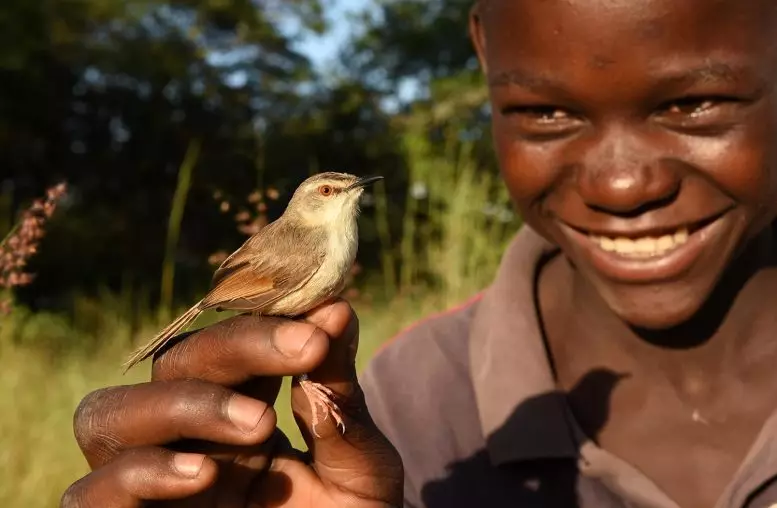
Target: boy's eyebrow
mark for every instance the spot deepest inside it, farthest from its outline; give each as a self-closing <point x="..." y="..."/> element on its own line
<point x="710" y="71"/>
<point x="707" y="72"/>
<point x="522" y="79"/>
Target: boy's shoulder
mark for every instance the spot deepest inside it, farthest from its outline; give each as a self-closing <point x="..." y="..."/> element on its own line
<point x="431" y="350"/>
<point x="418" y="390"/>
<point x="440" y="336"/>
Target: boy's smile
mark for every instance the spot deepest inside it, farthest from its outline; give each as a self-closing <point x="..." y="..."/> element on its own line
<point x="659" y="253"/>
<point x="640" y="136"/>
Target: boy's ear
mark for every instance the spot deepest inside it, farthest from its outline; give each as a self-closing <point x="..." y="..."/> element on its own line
<point x="477" y="36"/>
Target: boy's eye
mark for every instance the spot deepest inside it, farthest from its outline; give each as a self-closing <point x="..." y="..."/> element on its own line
<point x="539" y="113"/>
<point x="691" y="106"/>
<point x="541" y="120"/>
<point x="703" y="114"/>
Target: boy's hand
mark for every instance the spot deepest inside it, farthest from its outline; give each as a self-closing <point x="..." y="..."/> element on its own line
<point x="203" y="433"/>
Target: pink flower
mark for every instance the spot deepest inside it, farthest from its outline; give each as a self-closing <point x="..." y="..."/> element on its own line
<point x="23" y="241"/>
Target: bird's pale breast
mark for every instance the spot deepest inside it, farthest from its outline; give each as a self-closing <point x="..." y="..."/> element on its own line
<point x="329" y="279"/>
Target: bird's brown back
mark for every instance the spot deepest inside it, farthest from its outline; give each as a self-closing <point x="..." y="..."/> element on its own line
<point x="270" y="265"/>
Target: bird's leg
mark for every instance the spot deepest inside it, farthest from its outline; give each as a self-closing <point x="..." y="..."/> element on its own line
<point x="320" y="397"/>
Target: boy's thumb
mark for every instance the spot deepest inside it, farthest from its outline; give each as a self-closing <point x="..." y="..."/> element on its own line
<point x="360" y="459"/>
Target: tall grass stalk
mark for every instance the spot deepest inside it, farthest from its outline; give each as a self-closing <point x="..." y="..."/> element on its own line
<point x="383" y="227"/>
<point x="174" y="225"/>
<point x="465" y="215"/>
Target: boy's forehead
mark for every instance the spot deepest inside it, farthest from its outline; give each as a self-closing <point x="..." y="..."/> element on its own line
<point x="651" y="17"/>
<point x="622" y="30"/>
<point x="634" y="5"/>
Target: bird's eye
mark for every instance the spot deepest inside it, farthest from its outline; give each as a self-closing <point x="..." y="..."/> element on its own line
<point x="326" y="190"/>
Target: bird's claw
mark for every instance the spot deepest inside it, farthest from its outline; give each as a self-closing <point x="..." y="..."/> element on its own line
<point x="321" y="397"/>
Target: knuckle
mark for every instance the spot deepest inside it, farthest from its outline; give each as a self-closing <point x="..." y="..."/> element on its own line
<point x="82" y="418"/>
<point x="236" y="326"/>
<point x="171" y="362"/>
<point x="313" y="332"/>
<point x="75" y="495"/>
<point x="229" y="327"/>
<point x="348" y="305"/>
<point x="195" y="396"/>
<point x="354" y="319"/>
<point x="92" y="418"/>
<point x="139" y="466"/>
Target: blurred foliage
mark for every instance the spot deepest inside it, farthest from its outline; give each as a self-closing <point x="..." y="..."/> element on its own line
<point x="401" y="39"/>
<point x="110" y="94"/>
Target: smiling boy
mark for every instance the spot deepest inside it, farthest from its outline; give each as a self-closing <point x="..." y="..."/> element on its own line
<point x="639" y="138"/>
<point x="625" y="353"/>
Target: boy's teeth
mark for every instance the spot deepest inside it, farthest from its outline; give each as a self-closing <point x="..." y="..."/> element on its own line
<point x="642" y="247"/>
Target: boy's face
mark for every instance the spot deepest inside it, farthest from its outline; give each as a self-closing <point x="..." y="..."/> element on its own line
<point x="639" y="135"/>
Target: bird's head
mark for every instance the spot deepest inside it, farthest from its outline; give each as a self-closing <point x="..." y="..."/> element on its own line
<point x="329" y="199"/>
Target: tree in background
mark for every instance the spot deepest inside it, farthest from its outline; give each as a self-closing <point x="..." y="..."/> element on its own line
<point x="108" y="95"/>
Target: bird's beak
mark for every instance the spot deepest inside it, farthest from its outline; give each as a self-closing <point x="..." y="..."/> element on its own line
<point x="363" y="182"/>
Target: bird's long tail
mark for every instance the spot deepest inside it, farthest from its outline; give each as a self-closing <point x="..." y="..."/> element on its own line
<point x="164" y="336"/>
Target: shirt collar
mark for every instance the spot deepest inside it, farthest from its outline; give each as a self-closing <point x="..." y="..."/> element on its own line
<point x="521" y="413"/>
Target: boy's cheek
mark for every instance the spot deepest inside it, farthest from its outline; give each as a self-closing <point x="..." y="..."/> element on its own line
<point x="532" y="173"/>
<point x="529" y="170"/>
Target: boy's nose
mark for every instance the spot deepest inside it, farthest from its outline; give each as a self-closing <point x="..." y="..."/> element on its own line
<point x="623" y="175"/>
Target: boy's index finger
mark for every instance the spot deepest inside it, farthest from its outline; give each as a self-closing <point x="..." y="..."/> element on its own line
<point x="361" y="459"/>
<point x="238" y="349"/>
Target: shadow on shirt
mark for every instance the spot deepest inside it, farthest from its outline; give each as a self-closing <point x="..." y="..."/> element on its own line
<point x="545" y="482"/>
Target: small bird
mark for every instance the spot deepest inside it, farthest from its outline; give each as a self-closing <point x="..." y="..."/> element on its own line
<point x="289" y="267"/>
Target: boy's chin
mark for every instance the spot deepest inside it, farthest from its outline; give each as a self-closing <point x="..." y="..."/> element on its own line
<point x="656" y="309"/>
<point x="655" y="320"/>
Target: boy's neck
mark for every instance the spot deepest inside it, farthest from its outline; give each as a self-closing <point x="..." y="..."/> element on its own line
<point x="735" y="329"/>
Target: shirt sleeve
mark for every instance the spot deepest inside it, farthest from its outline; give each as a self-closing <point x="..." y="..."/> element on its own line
<point x="380" y="407"/>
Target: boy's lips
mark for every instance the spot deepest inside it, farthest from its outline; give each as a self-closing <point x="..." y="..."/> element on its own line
<point x="650" y="255"/>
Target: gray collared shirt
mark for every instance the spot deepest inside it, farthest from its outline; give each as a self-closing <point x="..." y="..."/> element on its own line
<point x="469" y="400"/>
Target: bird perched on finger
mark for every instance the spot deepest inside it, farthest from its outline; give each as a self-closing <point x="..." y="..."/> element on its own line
<point x="291" y="266"/>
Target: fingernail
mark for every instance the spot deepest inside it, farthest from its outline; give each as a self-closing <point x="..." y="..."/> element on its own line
<point x="245" y="412"/>
<point x="291" y="339"/>
<point x="188" y="464"/>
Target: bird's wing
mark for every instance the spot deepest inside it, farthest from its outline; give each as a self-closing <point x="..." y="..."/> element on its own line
<point x="264" y="270"/>
<point x="242" y="256"/>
